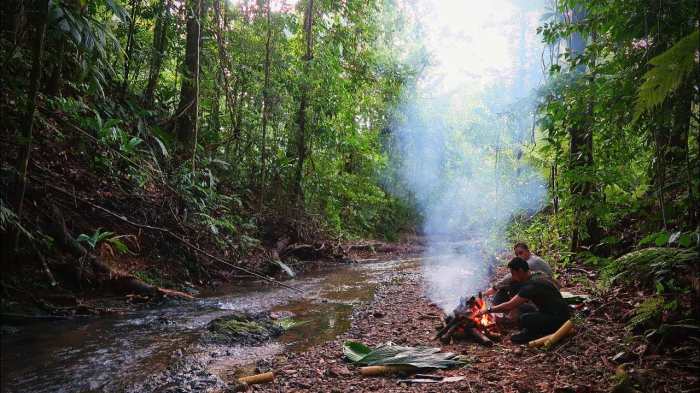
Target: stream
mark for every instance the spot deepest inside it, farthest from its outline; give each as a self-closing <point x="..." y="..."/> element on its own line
<point x="159" y="349"/>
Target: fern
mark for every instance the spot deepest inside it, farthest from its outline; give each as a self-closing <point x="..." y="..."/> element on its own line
<point x="647" y="311"/>
<point x="668" y="72"/>
<point x="8" y="220"/>
<point x="648" y="266"/>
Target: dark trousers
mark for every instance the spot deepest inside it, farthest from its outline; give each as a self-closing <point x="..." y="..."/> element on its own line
<point x="540" y="324"/>
<point x="530" y="318"/>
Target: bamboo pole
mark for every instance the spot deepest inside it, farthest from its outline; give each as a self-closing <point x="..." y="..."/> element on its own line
<point x="258" y="378"/>
<point x="563" y="331"/>
<point x="373" y="371"/>
<point x="542" y="341"/>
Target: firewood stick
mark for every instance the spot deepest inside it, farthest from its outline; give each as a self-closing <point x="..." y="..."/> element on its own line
<point x="559" y="334"/>
<point x="258" y="378"/>
<point x="480" y="337"/>
<point x="372" y="371"/>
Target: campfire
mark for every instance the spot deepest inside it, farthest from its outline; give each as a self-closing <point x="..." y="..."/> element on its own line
<point x="464" y="323"/>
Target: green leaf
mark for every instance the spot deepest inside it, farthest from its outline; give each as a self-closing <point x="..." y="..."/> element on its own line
<point x="659" y="288"/>
<point x="396" y="355"/>
<point x="687" y="239"/>
<point x="355" y="351"/>
<point x="668" y="72"/>
<point x="662" y="239"/>
<point x="119" y="245"/>
<point x="647" y="239"/>
<point x="162" y="146"/>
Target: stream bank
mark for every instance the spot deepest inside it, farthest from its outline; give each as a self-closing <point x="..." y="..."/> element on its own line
<point x="164" y="349"/>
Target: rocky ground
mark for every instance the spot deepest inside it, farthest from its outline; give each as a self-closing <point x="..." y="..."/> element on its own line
<point x="599" y="357"/>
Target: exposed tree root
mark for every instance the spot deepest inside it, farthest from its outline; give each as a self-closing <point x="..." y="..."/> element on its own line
<point x="93" y="270"/>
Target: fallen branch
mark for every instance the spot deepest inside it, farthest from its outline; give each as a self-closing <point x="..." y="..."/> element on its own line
<point x="46" y="268"/>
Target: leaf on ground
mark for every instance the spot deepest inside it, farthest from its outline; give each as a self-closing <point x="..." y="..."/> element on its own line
<point x="396" y="355"/>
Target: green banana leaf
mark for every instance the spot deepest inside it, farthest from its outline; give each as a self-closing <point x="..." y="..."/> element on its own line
<point x="571" y="298"/>
<point x="397" y="355"/>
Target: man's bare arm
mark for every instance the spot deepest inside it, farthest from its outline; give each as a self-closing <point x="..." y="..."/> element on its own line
<point x="507" y="306"/>
<point x="490" y="292"/>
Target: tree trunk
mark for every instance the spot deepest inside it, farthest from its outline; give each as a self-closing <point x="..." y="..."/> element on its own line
<point x="581" y="159"/>
<point x="230" y="93"/>
<point x="265" y="107"/>
<point x="678" y="149"/>
<point x="303" y="104"/>
<point x="13" y="19"/>
<point x="135" y="6"/>
<point x="55" y="84"/>
<point x="187" y="111"/>
<point x="40" y="17"/>
<point x="160" y="45"/>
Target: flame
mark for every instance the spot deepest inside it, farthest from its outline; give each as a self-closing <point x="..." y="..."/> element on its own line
<point x="485" y="320"/>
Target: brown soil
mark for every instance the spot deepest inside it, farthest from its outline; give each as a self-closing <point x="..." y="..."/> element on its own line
<point x="582" y="363"/>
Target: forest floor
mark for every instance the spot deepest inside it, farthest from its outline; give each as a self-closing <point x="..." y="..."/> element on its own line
<point x="601" y="356"/>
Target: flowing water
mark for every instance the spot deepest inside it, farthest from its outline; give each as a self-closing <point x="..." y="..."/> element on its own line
<point x="119" y="353"/>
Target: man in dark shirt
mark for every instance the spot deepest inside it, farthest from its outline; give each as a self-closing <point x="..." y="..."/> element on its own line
<point x="552" y="311"/>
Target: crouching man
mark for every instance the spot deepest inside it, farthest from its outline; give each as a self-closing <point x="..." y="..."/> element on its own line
<point x="551" y="310"/>
<point x="506" y="288"/>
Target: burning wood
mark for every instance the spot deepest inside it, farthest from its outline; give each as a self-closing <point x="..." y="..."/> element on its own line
<point x="464" y="322"/>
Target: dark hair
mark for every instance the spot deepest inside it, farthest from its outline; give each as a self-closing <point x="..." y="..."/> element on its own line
<point x="521" y="245"/>
<point x="518" y="263"/>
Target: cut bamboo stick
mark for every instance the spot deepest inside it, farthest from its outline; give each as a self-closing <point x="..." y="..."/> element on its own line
<point x="258" y="378"/>
<point x="563" y="331"/>
<point x="542" y="340"/>
<point x="372" y="371"/>
<point x="539" y="342"/>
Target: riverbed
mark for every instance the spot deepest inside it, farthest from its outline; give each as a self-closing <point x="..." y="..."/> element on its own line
<point x="158" y="349"/>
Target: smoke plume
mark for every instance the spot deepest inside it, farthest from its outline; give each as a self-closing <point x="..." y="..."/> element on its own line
<point x="460" y="134"/>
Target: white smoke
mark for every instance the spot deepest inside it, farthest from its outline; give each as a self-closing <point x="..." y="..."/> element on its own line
<point x="459" y="134"/>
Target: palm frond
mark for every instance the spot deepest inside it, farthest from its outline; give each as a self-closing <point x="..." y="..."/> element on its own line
<point x="668" y="72"/>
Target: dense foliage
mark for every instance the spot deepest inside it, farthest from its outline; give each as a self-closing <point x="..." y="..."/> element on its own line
<point x="619" y="121"/>
<point x="245" y="109"/>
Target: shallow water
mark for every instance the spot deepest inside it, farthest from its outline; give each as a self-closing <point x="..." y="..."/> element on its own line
<point x="113" y="353"/>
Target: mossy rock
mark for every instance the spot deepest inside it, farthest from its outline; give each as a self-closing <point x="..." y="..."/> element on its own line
<point x="242" y="329"/>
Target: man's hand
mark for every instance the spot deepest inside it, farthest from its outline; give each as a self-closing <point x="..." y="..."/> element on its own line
<point x="481" y="312"/>
<point x="490" y="292"/>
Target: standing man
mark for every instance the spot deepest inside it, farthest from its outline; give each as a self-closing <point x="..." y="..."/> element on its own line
<point x="552" y="311"/>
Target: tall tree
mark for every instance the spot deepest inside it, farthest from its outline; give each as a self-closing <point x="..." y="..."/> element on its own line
<point x="40" y="14"/>
<point x="302" y="115"/>
<point x="186" y="116"/>
<point x="160" y="46"/>
<point x="130" y="42"/>
<point x="265" y="105"/>
<point x="581" y="152"/>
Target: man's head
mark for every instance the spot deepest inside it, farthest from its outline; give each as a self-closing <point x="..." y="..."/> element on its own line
<point x="519" y="269"/>
<point x="522" y="251"/>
